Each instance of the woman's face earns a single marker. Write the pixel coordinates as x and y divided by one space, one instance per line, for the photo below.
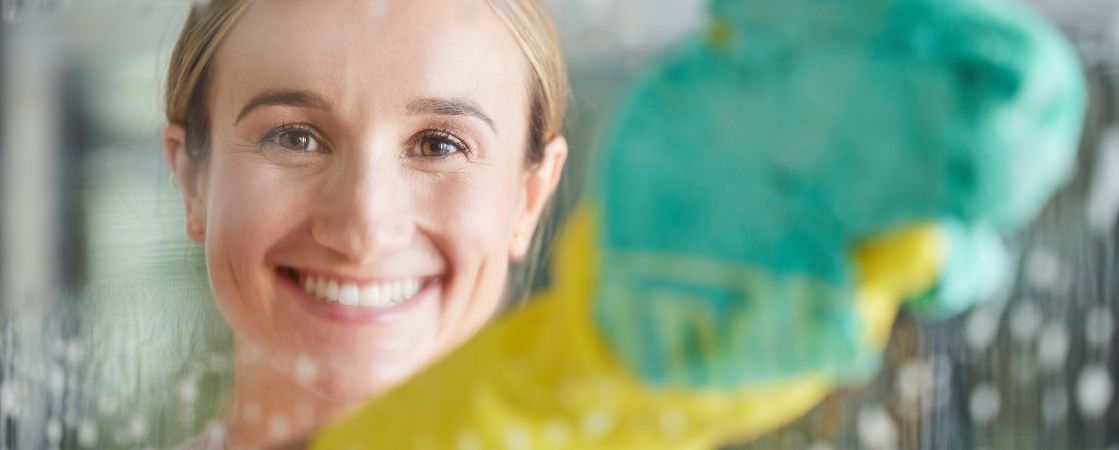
366 183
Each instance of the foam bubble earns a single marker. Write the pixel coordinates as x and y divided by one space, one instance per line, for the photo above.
1024 321
984 404
876 428
87 434
1052 346
1094 390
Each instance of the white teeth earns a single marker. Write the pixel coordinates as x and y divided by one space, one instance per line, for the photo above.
384 292
347 294
372 295
394 288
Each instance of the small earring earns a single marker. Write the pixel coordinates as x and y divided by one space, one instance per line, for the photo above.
174 182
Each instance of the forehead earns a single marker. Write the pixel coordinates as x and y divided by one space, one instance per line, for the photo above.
374 54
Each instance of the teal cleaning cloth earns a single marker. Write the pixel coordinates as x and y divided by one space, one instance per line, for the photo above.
747 163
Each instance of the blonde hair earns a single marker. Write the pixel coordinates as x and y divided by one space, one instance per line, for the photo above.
207 25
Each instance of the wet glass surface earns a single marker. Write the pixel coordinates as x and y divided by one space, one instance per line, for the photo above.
110 338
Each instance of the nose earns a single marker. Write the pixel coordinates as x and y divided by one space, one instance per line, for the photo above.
362 212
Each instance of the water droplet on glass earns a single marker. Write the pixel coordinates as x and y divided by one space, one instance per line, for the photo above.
1099 326
984 404
876 428
1024 321
9 401
251 353
1103 195
1094 390
218 362
137 428
188 391
981 328
556 433
379 8
467 441
87 434
54 431
56 380
306 369
73 352
597 423
1045 271
1052 346
216 432
602 386
914 379
516 438
107 405
278 427
672 422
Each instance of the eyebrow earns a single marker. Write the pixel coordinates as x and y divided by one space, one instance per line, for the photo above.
284 97
450 107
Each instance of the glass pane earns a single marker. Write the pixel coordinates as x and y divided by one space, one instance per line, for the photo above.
112 338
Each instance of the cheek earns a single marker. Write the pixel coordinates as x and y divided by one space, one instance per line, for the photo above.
247 213
471 219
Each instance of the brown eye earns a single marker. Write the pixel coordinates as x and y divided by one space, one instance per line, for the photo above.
440 145
296 140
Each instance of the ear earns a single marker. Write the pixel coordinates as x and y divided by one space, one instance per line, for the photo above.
538 187
190 177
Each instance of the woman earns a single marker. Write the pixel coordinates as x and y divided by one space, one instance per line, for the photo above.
361 174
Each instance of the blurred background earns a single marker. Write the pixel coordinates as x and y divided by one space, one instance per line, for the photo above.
109 338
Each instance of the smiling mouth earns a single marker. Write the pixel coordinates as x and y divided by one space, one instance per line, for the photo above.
375 295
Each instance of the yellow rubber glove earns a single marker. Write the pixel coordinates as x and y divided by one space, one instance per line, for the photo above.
542 377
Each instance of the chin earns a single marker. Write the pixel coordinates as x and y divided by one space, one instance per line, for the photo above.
350 362
354 384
